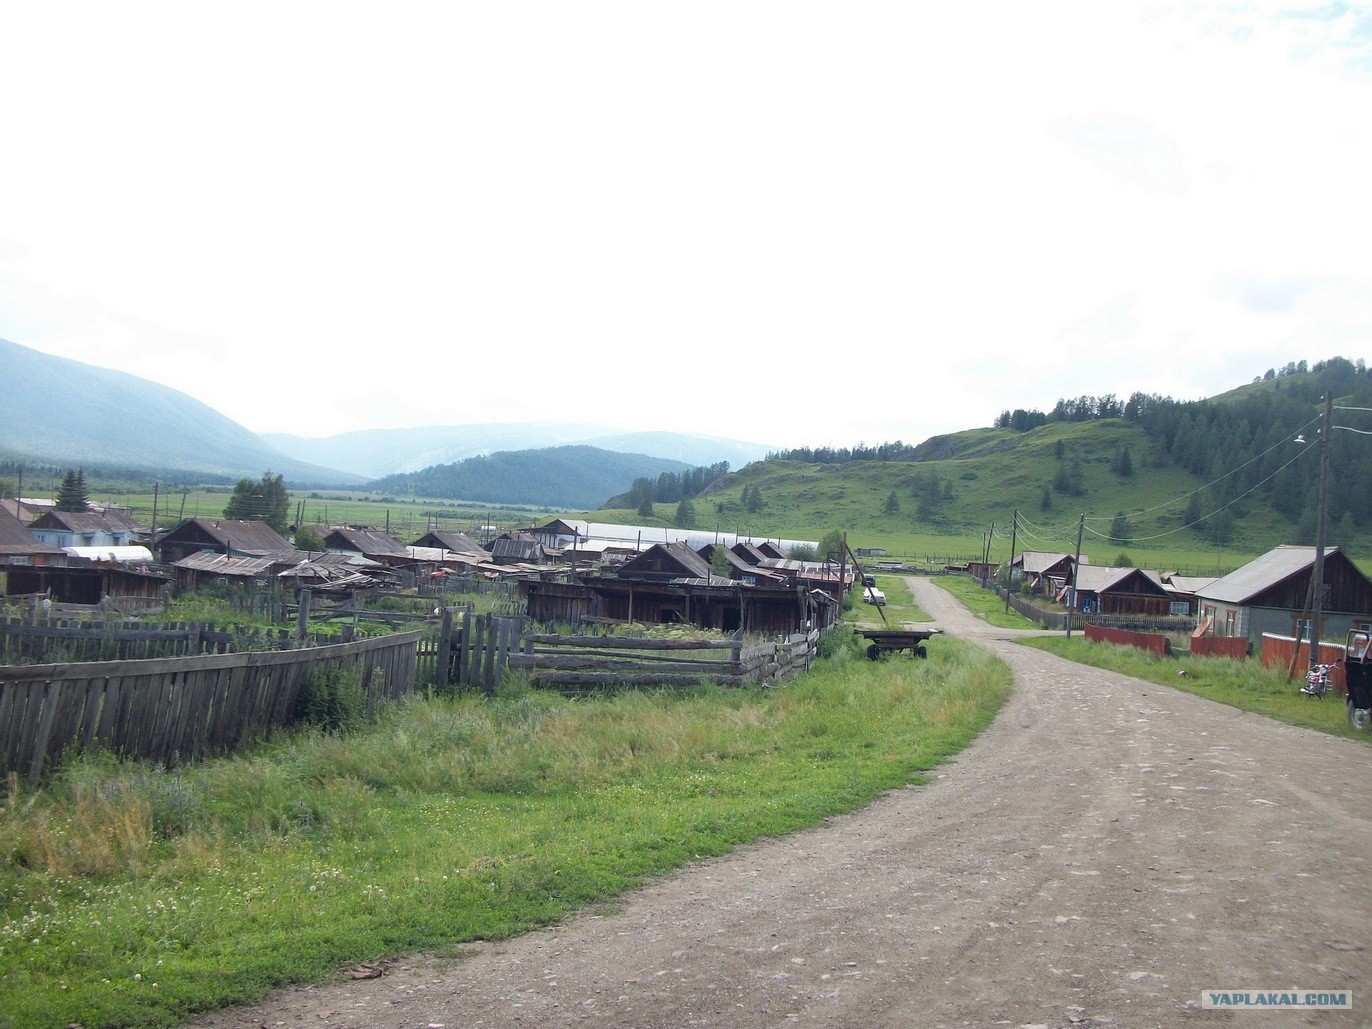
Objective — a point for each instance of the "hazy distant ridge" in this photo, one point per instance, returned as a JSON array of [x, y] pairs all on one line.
[[56, 409], [379, 452]]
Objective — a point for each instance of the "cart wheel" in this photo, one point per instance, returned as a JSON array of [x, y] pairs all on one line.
[[1359, 717], [873, 652], [920, 651]]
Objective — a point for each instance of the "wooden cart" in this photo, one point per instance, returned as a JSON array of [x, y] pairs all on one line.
[[886, 640]]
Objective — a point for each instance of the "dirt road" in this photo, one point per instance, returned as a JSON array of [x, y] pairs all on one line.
[[1103, 853]]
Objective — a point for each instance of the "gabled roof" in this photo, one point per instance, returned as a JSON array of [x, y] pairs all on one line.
[[245, 537], [364, 541], [753, 553], [1097, 579], [691, 564], [82, 521], [15, 539], [1036, 562], [449, 539], [1262, 573]]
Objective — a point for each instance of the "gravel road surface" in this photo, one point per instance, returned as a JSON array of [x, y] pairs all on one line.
[[1107, 850]]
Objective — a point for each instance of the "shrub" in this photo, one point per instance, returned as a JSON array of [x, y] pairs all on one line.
[[332, 700]]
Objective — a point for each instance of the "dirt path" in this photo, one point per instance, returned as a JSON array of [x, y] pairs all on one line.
[[1103, 853]]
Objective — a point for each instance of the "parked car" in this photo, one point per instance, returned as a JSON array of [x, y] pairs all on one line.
[[872, 595]]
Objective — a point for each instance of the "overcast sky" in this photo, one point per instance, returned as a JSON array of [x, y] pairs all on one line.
[[789, 223]]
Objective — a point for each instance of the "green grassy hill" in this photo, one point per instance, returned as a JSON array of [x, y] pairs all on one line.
[[1183, 508]]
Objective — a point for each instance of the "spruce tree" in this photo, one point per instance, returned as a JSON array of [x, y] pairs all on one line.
[[72, 495]]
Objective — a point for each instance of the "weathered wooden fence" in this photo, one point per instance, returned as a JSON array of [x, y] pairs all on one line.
[[588, 661], [475, 651], [471, 650], [173, 709], [37, 639]]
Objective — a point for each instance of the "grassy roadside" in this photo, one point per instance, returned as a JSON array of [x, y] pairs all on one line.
[[1242, 684], [133, 896], [987, 604]]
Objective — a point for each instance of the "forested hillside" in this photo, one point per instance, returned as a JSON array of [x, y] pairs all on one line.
[[575, 477], [1146, 472]]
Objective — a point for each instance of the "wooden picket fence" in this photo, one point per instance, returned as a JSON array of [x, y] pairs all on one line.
[[170, 710], [31, 640]]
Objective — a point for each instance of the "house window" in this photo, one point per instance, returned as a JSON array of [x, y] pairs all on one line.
[[1229, 623], [1179, 607]]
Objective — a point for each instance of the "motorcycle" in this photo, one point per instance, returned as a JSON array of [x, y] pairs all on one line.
[[1317, 682]]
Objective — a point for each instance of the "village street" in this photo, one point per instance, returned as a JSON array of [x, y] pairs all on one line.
[[1103, 853]]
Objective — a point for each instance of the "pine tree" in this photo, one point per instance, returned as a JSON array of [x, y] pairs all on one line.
[[72, 495]]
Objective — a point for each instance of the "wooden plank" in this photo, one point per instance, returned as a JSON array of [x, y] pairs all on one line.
[[580, 679], [632, 642], [488, 654], [52, 699]]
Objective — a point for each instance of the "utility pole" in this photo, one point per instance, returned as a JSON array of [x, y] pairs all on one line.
[[1317, 598], [1010, 564], [986, 554], [1076, 565]]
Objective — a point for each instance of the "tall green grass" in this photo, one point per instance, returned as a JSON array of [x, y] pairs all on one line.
[[134, 896], [1242, 684]]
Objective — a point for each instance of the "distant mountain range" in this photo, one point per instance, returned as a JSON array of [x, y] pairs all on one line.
[[58, 411], [379, 452]]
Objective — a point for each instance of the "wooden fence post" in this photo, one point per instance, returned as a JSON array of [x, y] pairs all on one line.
[[303, 617], [445, 646]]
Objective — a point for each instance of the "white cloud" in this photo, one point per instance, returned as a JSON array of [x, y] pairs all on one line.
[[717, 218]]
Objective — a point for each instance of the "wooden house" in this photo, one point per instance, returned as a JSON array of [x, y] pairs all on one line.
[[20, 552], [455, 542], [1269, 595], [84, 529], [1034, 571], [1183, 589], [369, 543], [221, 536], [663, 562], [1118, 591]]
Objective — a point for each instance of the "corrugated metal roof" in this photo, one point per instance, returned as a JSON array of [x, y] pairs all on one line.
[[1261, 574], [221, 564]]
